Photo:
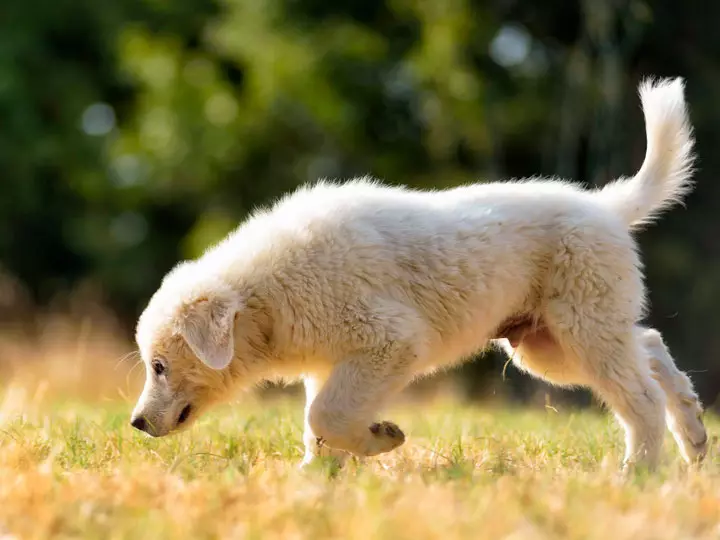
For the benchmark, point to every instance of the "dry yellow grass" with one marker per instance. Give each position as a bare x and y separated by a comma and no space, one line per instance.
75,469
71,466
69,355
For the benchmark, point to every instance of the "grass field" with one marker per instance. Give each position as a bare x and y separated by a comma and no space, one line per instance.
79,470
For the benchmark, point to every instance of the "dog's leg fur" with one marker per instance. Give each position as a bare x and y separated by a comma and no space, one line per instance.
313,384
343,413
614,366
684,412
635,397
539,354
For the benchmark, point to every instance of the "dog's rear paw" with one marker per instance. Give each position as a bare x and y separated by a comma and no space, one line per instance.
688,428
694,444
385,436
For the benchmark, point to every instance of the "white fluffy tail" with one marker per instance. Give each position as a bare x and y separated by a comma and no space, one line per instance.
665,175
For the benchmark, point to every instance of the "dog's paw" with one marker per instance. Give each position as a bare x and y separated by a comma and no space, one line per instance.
694,444
384,437
689,431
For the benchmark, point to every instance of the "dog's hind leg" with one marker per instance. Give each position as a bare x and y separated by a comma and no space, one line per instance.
539,354
616,370
684,412
606,352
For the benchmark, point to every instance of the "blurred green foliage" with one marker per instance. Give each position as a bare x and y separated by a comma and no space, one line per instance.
134,133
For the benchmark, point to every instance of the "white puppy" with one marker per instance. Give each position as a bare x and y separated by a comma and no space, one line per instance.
358,288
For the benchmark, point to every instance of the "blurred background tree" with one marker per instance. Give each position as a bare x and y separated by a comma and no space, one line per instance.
136,133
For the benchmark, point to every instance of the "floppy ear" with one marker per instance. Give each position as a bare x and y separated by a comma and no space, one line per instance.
208,325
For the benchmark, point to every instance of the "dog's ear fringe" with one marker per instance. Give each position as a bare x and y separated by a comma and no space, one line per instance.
207,325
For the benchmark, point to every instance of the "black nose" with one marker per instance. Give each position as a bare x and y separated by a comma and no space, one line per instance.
139,423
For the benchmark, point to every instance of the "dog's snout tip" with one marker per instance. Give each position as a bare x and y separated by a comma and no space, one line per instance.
139,423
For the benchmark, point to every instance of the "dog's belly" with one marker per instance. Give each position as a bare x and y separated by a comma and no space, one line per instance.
522,327
449,350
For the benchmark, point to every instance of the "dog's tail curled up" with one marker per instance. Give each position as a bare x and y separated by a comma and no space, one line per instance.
666,173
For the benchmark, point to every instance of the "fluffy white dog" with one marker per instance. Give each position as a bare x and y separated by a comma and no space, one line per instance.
358,288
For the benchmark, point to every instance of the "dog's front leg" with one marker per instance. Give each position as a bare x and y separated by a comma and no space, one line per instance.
314,447
343,414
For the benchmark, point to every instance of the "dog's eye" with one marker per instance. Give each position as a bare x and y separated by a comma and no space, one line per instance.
158,367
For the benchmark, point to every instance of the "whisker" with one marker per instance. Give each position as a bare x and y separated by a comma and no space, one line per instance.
131,371
125,357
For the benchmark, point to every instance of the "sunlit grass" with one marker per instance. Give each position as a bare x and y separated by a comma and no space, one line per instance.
78,469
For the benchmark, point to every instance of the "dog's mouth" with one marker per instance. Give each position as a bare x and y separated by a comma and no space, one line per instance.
184,414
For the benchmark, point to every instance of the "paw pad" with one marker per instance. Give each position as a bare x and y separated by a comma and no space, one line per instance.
387,429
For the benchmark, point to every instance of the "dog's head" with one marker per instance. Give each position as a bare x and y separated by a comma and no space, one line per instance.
196,338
